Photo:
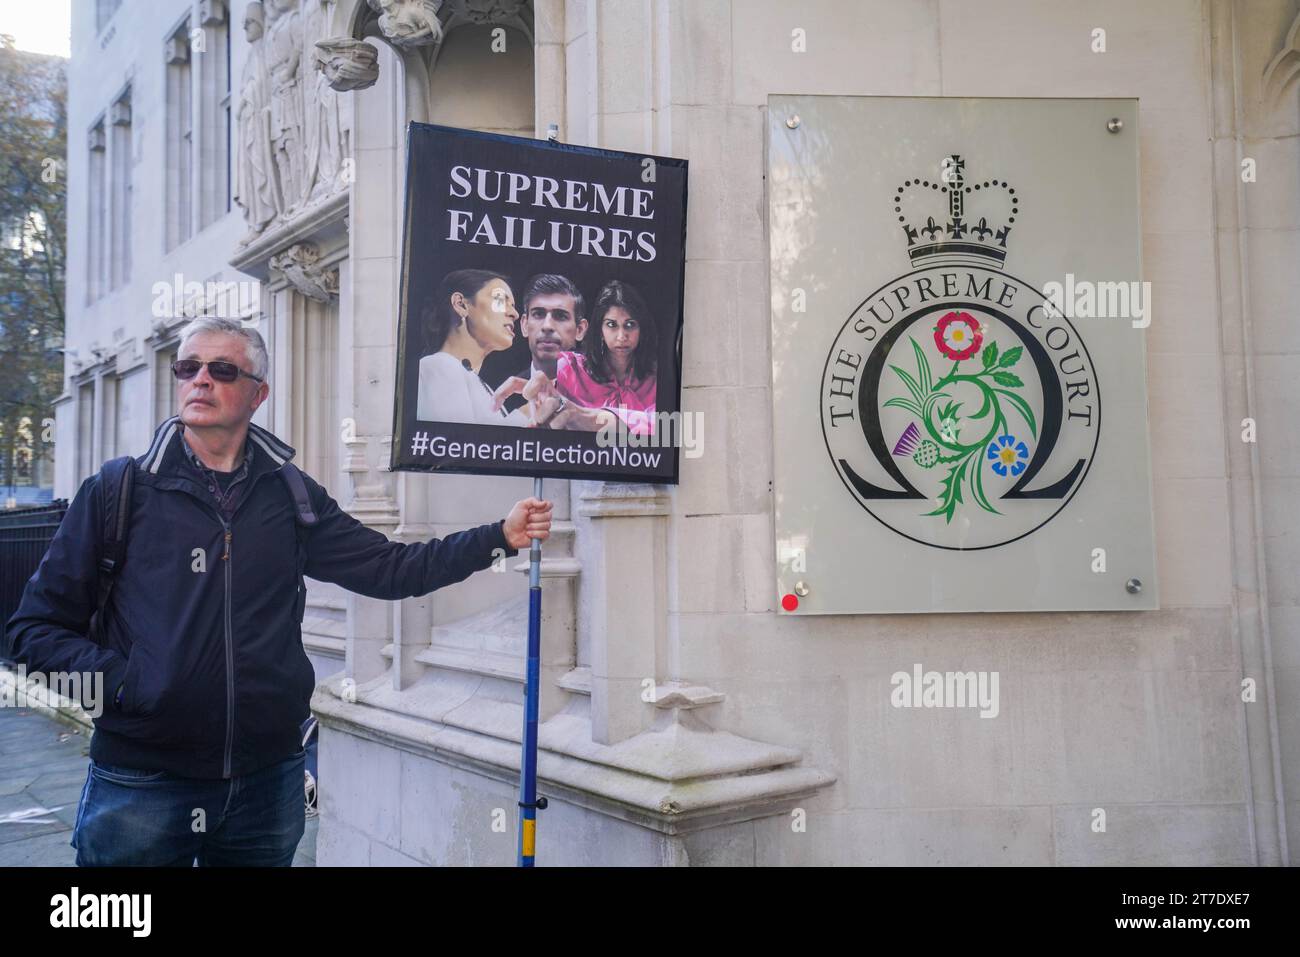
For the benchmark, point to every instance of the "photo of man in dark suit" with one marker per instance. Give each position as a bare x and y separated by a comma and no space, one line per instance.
553,320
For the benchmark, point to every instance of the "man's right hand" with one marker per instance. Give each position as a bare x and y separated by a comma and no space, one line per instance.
529,519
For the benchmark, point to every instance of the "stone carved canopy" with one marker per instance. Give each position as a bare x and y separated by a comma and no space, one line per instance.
408,24
293,129
412,23
416,29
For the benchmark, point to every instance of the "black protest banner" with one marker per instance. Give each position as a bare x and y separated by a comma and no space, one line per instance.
541,309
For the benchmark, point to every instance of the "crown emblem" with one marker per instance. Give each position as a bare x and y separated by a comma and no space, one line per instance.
977,224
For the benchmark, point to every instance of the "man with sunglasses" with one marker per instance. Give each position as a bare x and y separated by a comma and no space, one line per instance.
197,758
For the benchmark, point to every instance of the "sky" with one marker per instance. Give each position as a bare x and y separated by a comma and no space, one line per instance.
39,27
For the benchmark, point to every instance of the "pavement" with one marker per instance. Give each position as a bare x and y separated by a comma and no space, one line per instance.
43,766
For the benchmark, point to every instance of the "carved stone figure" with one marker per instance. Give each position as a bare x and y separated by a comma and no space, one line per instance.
409,23
255,175
347,64
488,11
324,127
300,264
284,61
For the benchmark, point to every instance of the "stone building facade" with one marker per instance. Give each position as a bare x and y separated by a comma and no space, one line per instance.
686,720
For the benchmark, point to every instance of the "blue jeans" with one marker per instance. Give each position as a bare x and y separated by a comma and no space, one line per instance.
159,819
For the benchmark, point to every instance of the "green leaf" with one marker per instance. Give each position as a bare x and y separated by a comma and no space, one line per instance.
977,482
951,496
1007,378
899,402
922,368
990,355
908,381
1023,408
1010,357
930,401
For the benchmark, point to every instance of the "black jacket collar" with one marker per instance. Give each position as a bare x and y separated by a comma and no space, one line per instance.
166,455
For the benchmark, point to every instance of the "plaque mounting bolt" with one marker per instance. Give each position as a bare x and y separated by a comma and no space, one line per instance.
792,121
1115,124
801,589
1133,585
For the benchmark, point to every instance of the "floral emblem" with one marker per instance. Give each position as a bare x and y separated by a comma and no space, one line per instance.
957,336
1008,455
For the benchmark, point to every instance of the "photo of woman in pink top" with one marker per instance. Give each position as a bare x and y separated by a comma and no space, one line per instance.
613,378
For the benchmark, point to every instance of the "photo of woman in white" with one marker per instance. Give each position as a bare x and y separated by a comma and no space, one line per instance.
472,314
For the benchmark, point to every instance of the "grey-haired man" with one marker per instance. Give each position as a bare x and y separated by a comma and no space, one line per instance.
199,758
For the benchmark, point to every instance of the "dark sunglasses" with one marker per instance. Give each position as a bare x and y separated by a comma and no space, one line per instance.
221,371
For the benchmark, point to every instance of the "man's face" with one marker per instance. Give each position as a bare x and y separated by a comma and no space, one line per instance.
204,401
551,326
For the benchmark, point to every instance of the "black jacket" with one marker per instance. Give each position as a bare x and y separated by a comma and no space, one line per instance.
204,623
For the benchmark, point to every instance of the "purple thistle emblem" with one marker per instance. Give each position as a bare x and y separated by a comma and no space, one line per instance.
907,442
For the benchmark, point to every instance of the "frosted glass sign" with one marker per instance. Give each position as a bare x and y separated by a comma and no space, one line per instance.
958,357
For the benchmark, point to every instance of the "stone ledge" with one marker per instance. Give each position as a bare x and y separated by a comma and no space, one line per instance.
320,222
679,777
577,680
563,567
624,500
474,661
678,694
322,643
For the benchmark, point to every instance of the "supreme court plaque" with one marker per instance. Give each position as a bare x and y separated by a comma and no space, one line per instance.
958,355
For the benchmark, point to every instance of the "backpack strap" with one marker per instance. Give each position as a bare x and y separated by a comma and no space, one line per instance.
305,514
117,479
304,517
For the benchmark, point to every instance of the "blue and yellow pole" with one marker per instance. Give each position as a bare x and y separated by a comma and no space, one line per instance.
528,802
